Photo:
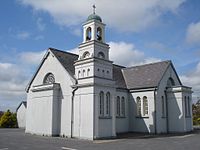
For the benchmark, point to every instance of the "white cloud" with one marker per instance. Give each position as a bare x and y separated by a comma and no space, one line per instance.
15,76
40,24
193,33
137,14
192,79
126,54
31,57
23,35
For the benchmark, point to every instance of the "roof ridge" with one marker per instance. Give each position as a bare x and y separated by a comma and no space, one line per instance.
169,61
54,49
119,66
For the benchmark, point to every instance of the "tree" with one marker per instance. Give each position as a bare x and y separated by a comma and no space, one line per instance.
196,113
8,120
1,114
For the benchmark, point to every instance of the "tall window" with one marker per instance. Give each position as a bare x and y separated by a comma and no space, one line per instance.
138,106
123,106
118,106
99,34
186,107
88,34
108,104
163,106
189,106
101,104
49,79
145,106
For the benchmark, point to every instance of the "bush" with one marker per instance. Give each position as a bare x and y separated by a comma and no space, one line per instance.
196,114
8,120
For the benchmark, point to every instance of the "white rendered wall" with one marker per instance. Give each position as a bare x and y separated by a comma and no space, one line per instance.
21,116
51,64
162,120
142,124
83,113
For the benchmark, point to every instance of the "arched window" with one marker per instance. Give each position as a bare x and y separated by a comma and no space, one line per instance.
145,106
86,54
99,34
189,106
84,73
49,79
79,74
108,103
138,100
88,34
101,55
88,72
123,106
163,106
101,103
118,106
170,82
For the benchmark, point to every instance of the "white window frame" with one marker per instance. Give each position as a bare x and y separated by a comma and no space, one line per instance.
101,104
140,108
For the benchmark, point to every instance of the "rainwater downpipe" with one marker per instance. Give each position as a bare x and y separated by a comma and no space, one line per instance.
72,109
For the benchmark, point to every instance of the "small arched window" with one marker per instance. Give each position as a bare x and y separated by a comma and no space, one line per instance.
101,55
86,54
49,79
108,103
101,103
170,82
88,72
84,73
118,106
145,106
138,100
99,34
88,34
123,106
79,74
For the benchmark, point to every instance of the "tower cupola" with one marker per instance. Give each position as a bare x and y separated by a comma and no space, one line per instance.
93,28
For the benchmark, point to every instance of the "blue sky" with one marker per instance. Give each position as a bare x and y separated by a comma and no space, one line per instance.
138,32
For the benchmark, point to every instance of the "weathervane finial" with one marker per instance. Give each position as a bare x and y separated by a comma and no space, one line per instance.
94,7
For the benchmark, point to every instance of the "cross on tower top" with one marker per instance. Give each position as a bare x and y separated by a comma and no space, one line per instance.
94,8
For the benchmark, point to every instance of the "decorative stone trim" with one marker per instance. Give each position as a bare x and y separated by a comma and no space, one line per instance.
45,87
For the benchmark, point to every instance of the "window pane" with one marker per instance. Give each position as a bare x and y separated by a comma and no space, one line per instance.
138,106
101,107
186,106
123,106
145,106
108,103
118,106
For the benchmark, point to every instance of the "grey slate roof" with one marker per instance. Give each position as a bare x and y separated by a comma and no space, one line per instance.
137,77
145,76
66,59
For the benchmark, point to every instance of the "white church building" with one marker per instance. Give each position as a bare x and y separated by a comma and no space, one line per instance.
88,96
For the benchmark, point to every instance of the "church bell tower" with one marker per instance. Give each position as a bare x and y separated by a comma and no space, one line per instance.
93,58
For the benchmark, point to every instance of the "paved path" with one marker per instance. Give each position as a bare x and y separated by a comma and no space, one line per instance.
16,139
